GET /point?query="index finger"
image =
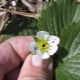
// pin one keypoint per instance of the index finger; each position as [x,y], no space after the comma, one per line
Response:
[13,51]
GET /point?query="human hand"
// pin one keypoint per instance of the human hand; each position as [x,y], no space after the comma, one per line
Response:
[13,52]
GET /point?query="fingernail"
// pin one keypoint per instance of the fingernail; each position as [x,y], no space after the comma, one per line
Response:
[37,61]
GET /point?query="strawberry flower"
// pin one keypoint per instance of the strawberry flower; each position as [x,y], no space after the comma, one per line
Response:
[44,45]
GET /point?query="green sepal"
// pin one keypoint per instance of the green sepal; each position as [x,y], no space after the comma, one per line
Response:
[36,39]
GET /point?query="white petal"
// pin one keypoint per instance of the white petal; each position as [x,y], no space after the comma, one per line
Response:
[42,55]
[33,47]
[42,34]
[45,55]
[39,53]
[52,44]
[53,50]
[54,39]
[46,36]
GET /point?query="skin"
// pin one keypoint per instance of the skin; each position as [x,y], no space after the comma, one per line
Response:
[16,61]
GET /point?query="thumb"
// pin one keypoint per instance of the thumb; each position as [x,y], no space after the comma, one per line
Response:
[35,68]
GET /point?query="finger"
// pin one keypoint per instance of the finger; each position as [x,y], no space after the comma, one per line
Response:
[13,75]
[20,45]
[36,69]
[12,52]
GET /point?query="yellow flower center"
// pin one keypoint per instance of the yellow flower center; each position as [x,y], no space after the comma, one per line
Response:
[43,45]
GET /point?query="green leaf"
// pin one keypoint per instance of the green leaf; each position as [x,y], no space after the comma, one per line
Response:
[56,15]
[19,26]
[77,15]
[69,54]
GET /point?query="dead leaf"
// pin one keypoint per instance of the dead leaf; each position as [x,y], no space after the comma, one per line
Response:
[2,19]
[2,3]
